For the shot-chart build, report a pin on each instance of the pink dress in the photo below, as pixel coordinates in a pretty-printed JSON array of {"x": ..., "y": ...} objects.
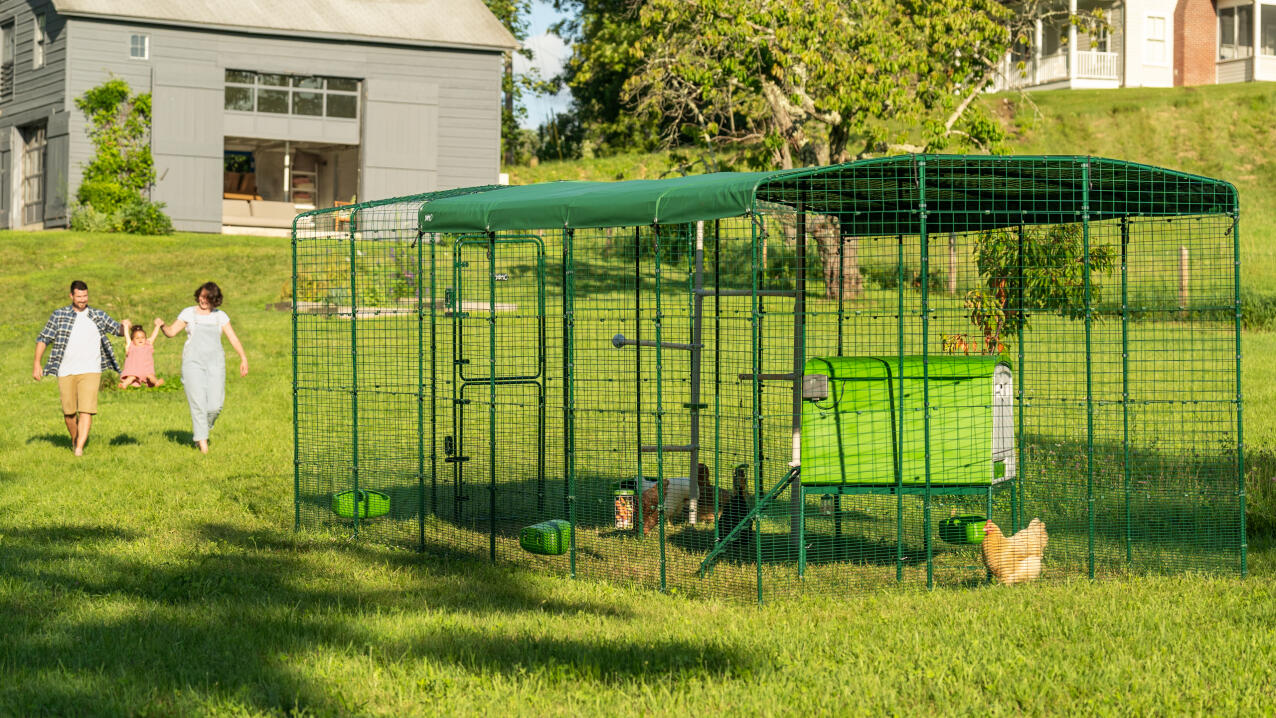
[{"x": 140, "y": 361}]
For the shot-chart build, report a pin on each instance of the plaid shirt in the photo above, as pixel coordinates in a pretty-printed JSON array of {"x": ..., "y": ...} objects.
[{"x": 57, "y": 331}]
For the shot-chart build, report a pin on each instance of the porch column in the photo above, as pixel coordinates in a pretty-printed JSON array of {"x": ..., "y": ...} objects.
[
  {"x": 1036, "y": 51},
  {"x": 1072, "y": 40},
  {"x": 1256, "y": 31}
]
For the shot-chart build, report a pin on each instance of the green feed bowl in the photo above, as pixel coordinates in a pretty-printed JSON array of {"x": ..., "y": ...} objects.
[
  {"x": 967, "y": 529},
  {"x": 371, "y": 504}
]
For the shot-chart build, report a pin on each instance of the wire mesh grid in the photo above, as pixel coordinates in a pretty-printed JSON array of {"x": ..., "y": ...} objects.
[{"x": 829, "y": 392}]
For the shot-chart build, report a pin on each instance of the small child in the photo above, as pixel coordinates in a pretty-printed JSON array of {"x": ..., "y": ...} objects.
[{"x": 139, "y": 361}]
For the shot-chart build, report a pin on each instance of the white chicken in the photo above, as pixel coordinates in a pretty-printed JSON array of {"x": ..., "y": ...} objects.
[{"x": 1016, "y": 559}]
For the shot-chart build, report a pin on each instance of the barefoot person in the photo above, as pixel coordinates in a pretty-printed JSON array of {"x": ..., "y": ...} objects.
[
  {"x": 203, "y": 359},
  {"x": 81, "y": 352}
]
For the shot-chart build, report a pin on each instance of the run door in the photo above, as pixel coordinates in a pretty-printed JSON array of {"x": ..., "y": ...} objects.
[{"x": 497, "y": 304}]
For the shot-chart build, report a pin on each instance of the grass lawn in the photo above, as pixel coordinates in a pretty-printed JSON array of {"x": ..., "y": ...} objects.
[{"x": 147, "y": 579}]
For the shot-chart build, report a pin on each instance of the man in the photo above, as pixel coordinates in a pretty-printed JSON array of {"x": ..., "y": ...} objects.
[{"x": 81, "y": 352}]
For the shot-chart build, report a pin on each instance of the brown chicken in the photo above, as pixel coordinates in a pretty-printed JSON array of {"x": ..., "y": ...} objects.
[{"x": 1018, "y": 558}]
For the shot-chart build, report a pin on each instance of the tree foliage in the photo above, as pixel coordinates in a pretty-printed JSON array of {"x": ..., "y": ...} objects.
[
  {"x": 820, "y": 81},
  {"x": 1044, "y": 270},
  {"x": 605, "y": 36},
  {"x": 513, "y": 15}
]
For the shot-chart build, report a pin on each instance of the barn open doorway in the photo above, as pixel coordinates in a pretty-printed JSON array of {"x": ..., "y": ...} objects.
[{"x": 265, "y": 183}]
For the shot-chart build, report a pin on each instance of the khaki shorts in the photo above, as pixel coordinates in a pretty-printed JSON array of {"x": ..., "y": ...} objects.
[{"x": 79, "y": 393}]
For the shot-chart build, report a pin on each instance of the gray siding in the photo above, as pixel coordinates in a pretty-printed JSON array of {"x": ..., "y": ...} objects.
[
  {"x": 431, "y": 118},
  {"x": 186, "y": 140},
  {"x": 39, "y": 96}
]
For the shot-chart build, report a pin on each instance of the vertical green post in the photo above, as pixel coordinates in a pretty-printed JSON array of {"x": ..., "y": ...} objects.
[
  {"x": 660, "y": 416},
  {"x": 354, "y": 371},
  {"x": 717, "y": 368},
  {"x": 1240, "y": 436},
  {"x": 296, "y": 417},
  {"x": 925, "y": 280},
  {"x": 1016, "y": 508},
  {"x": 841, "y": 316},
  {"x": 1125, "y": 377},
  {"x": 491, "y": 395},
  {"x": 434, "y": 385},
  {"x": 420, "y": 396},
  {"x": 798, "y": 519},
  {"x": 569, "y": 389},
  {"x": 890, "y": 387},
  {"x": 638, "y": 375},
  {"x": 458, "y": 414},
  {"x": 1089, "y": 364},
  {"x": 755, "y": 351}
]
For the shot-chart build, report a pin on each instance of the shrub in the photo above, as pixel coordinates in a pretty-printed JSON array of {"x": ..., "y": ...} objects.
[
  {"x": 84, "y": 218},
  {"x": 142, "y": 216},
  {"x": 110, "y": 197}
]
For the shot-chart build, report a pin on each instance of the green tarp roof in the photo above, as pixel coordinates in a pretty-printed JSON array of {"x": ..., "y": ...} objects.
[{"x": 893, "y": 195}]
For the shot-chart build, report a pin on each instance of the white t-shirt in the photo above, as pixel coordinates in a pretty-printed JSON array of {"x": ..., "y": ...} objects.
[
  {"x": 216, "y": 318},
  {"x": 83, "y": 353}
]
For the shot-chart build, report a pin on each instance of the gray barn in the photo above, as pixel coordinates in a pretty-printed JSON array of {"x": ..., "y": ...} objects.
[{"x": 261, "y": 109}]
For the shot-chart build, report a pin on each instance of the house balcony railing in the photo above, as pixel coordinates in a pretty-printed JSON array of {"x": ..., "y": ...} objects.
[
  {"x": 1091, "y": 65},
  {"x": 1094, "y": 65}
]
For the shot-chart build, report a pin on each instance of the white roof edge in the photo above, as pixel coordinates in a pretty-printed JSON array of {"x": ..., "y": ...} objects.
[
  {"x": 459, "y": 24},
  {"x": 307, "y": 34}
]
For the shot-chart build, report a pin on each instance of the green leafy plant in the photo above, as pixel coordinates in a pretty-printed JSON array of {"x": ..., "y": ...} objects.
[
  {"x": 111, "y": 194},
  {"x": 1043, "y": 271}
]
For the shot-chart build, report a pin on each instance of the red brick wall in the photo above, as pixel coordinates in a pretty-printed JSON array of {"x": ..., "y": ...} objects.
[{"x": 1195, "y": 42}]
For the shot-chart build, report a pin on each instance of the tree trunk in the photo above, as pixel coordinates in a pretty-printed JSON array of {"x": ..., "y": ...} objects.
[{"x": 839, "y": 255}]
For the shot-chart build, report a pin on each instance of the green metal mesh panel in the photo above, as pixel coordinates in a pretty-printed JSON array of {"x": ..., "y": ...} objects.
[{"x": 486, "y": 382}]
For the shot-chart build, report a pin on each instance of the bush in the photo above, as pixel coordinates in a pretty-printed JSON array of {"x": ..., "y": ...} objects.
[
  {"x": 105, "y": 196},
  {"x": 142, "y": 216},
  {"x": 110, "y": 196},
  {"x": 84, "y": 218}
]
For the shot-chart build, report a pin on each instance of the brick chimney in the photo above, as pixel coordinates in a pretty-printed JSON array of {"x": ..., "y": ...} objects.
[{"x": 1195, "y": 42}]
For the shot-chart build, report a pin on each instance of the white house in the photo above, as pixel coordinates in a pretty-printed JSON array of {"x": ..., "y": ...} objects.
[{"x": 1149, "y": 43}]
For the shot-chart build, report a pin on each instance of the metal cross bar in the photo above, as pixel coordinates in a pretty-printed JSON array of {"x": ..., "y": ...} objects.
[{"x": 620, "y": 341}]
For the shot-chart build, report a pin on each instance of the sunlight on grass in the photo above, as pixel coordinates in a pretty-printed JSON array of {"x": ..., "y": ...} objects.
[{"x": 145, "y": 578}]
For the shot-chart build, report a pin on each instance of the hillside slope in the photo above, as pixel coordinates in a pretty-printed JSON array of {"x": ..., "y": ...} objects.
[{"x": 1219, "y": 131}]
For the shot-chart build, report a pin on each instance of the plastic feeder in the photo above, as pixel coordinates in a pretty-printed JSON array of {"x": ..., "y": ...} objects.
[
  {"x": 371, "y": 504},
  {"x": 967, "y": 529}
]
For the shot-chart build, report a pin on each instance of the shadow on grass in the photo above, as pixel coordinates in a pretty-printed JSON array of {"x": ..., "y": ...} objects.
[
  {"x": 184, "y": 438},
  {"x": 62, "y": 441},
  {"x": 123, "y": 440},
  {"x": 216, "y": 622}
]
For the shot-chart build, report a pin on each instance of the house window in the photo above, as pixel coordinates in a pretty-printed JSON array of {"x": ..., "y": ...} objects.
[
  {"x": 1101, "y": 41},
  {"x": 1155, "y": 34},
  {"x": 1235, "y": 32},
  {"x": 280, "y": 94},
  {"x": 139, "y": 47},
  {"x": 8, "y": 49},
  {"x": 40, "y": 39}
]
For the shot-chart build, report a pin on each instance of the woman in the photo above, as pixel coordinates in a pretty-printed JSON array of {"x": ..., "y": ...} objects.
[{"x": 203, "y": 359}]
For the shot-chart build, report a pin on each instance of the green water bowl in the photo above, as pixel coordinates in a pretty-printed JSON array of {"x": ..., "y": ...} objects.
[
  {"x": 371, "y": 504},
  {"x": 964, "y": 530}
]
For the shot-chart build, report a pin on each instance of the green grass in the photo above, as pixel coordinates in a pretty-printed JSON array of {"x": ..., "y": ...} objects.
[{"x": 146, "y": 579}]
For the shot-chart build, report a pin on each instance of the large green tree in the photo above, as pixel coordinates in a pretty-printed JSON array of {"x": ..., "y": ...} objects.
[
  {"x": 605, "y": 36},
  {"x": 819, "y": 81},
  {"x": 513, "y": 15}
]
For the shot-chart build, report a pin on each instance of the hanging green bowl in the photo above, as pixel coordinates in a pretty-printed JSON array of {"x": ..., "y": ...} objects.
[
  {"x": 371, "y": 504},
  {"x": 967, "y": 529}
]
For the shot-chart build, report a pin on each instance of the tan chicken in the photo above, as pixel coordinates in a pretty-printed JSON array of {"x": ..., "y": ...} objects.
[{"x": 1018, "y": 558}]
